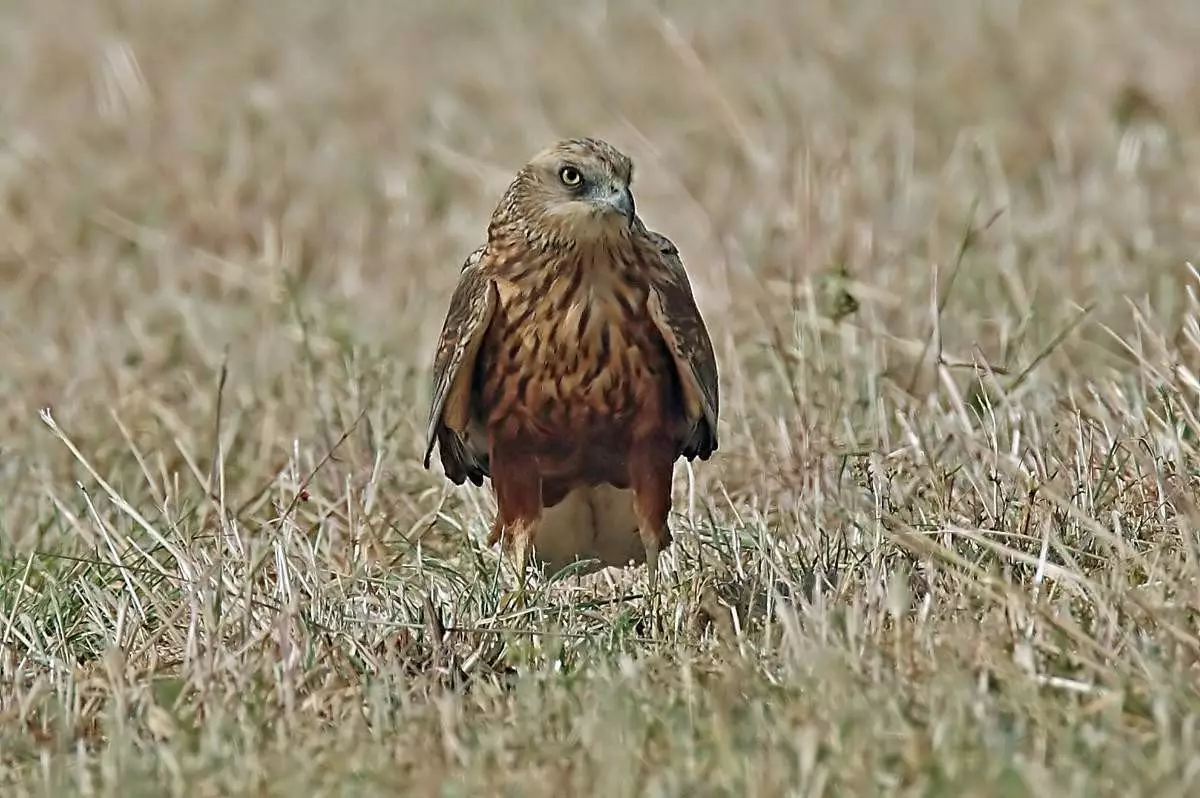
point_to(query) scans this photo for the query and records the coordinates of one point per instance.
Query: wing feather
(673, 309)
(470, 312)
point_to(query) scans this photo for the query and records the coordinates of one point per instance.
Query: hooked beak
(621, 200)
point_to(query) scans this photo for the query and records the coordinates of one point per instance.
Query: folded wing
(471, 309)
(673, 309)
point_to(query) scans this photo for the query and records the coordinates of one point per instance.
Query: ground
(948, 545)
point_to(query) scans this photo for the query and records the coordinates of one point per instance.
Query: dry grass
(948, 546)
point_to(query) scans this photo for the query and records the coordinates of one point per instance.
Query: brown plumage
(574, 368)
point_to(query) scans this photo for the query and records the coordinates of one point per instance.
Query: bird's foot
(518, 598)
(515, 600)
(652, 599)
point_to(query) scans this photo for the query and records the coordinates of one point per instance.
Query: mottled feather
(673, 309)
(450, 414)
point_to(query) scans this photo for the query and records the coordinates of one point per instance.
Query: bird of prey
(574, 368)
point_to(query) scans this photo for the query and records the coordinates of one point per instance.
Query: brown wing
(467, 320)
(674, 311)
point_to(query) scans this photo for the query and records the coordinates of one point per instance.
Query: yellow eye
(570, 176)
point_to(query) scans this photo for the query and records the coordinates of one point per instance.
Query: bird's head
(575, 190)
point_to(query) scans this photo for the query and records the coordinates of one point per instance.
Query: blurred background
(172, 172)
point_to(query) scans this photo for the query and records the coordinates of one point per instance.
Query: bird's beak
(621, 200)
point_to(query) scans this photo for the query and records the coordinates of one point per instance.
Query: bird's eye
(570, 176)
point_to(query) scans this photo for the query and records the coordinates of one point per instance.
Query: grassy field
(948, 546)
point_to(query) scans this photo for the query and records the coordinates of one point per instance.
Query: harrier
(574, 368)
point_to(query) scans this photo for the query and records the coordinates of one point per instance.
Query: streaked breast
(576, 352)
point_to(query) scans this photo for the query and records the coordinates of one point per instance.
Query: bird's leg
(648, 530)
(516, 540)
(651, 469)
(518, 488)
(649, 537)
(522, 542)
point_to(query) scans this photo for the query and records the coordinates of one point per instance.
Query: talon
(514, 600)
(652, 549)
